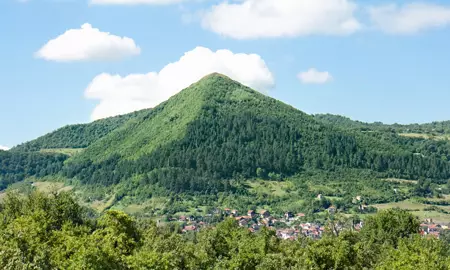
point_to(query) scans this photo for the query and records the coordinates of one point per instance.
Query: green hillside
(15, 167)
(217, 130)
(430, 139)
(436, 128)
(77, 136)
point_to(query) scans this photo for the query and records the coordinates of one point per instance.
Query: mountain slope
(218, 129)
(212, 98)
(437, 128)
(15, 166)
(77, 136)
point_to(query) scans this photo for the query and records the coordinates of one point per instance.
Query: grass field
(269, 187)
(401, 181)
(101, 206)
(410, 205)
(47, 187)
(417, 209)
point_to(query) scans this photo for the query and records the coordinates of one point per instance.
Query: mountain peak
(215, 75)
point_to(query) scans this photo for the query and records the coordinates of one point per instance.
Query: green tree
(389, 226)
(416, 253)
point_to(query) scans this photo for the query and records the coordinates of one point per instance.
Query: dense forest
(54, 232)
(77, 136)
(15, 167)
(442, 127)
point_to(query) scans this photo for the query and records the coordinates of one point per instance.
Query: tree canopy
(53, 232)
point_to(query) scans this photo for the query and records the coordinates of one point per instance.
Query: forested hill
(77, 136)
(217, 130)
(14, 167)
(437, 128)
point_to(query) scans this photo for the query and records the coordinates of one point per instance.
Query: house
(227, 211)
(300, 215)
(234, 212)
(265, 222)
(251, 213)
(192, 228)
(363, 207)
(286, 234)
(243, 218)
(356, 199)
(264, 213)
(243, 222)
(182, 218)
(288, 215)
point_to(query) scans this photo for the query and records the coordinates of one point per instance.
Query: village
(289, 226)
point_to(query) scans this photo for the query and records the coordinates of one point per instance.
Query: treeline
(436, 127)
(15, 167)
(78, 136)
(54, 232)
(219, 147)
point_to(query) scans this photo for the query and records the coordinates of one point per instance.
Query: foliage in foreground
(54, 232)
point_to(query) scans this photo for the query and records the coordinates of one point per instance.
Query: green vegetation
(64, 151)
(54, 232)
(15, 167)
(215, 145)
(77, 136)
(217, 131)
(219, 143)
(427, 130)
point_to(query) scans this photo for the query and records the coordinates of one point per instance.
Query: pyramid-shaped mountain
(218, 129)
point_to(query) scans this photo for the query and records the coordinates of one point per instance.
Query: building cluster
(432, 229)
(289, 226)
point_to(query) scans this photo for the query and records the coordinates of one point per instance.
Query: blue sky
(370, 60)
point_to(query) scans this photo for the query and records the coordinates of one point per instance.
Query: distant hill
(436, 128)
(14, 167)
(77, 136)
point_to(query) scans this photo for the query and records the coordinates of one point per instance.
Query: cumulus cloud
(4, 148)
(86, 44)
(135, 2)
(409, 19)
(122, 94)
(251, 19)
(313, 76)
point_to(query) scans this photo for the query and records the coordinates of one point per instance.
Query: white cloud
(409, 19)
(119, 95)
(313, 76)
(86, 44)
(251, 19)
(135, 2)
(4, 148)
